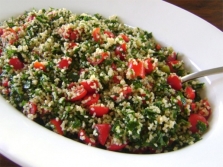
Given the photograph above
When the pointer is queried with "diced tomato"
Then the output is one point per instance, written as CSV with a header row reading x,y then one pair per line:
x,y
97,35
125,37
1,31
115,147
73,35
98,110
64,63
72,45
126,91
31,17
180,104
5,82
0,52
190,92
204,112
171,57
113,66
171,64
204,109
109,34
6,91
84,137
103,132
90,99
193,106
33,108
9,32
56,123
174,81
16,63
194,119
72,84
98,59
120,51
78,91
148,66
116,79
138,68
158,46
90,86
39,65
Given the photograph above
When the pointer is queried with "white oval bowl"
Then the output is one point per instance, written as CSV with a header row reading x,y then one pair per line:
x,y
29,144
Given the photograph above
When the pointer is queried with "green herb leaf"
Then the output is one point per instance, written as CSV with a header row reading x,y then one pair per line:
x,y
201,126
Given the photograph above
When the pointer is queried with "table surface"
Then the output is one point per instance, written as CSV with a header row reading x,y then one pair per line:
x,y
209,10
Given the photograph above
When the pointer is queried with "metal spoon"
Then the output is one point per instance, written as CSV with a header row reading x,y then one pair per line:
x,y
202,73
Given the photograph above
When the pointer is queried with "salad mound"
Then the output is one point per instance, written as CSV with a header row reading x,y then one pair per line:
x,y
99,82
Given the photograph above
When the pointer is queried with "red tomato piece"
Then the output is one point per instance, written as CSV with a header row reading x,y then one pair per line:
x,y
73,35
194,119
174,81
103,132
158,46
126,91
115,147
33,108
1,31
16,63
193,106
190,93
148,66
78,92
120,51
137,67
204,109
0,52
180,104
5,82
125,37
64,63
171,65
39,65
72,45
84,137
90,99
98,110
99,59
109,34
171,57
204,112
11,35
32,17
90,86
56,123
72,84
116,79
97,34
113,66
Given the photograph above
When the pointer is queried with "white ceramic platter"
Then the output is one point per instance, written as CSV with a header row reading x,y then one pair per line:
x,y
29,144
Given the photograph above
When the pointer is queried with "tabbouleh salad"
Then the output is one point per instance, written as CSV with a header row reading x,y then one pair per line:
x,y
100,82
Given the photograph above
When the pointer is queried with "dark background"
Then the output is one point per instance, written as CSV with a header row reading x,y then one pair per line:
x,y
209,10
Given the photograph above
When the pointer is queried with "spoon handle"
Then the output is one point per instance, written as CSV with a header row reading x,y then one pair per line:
x,y
202,73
